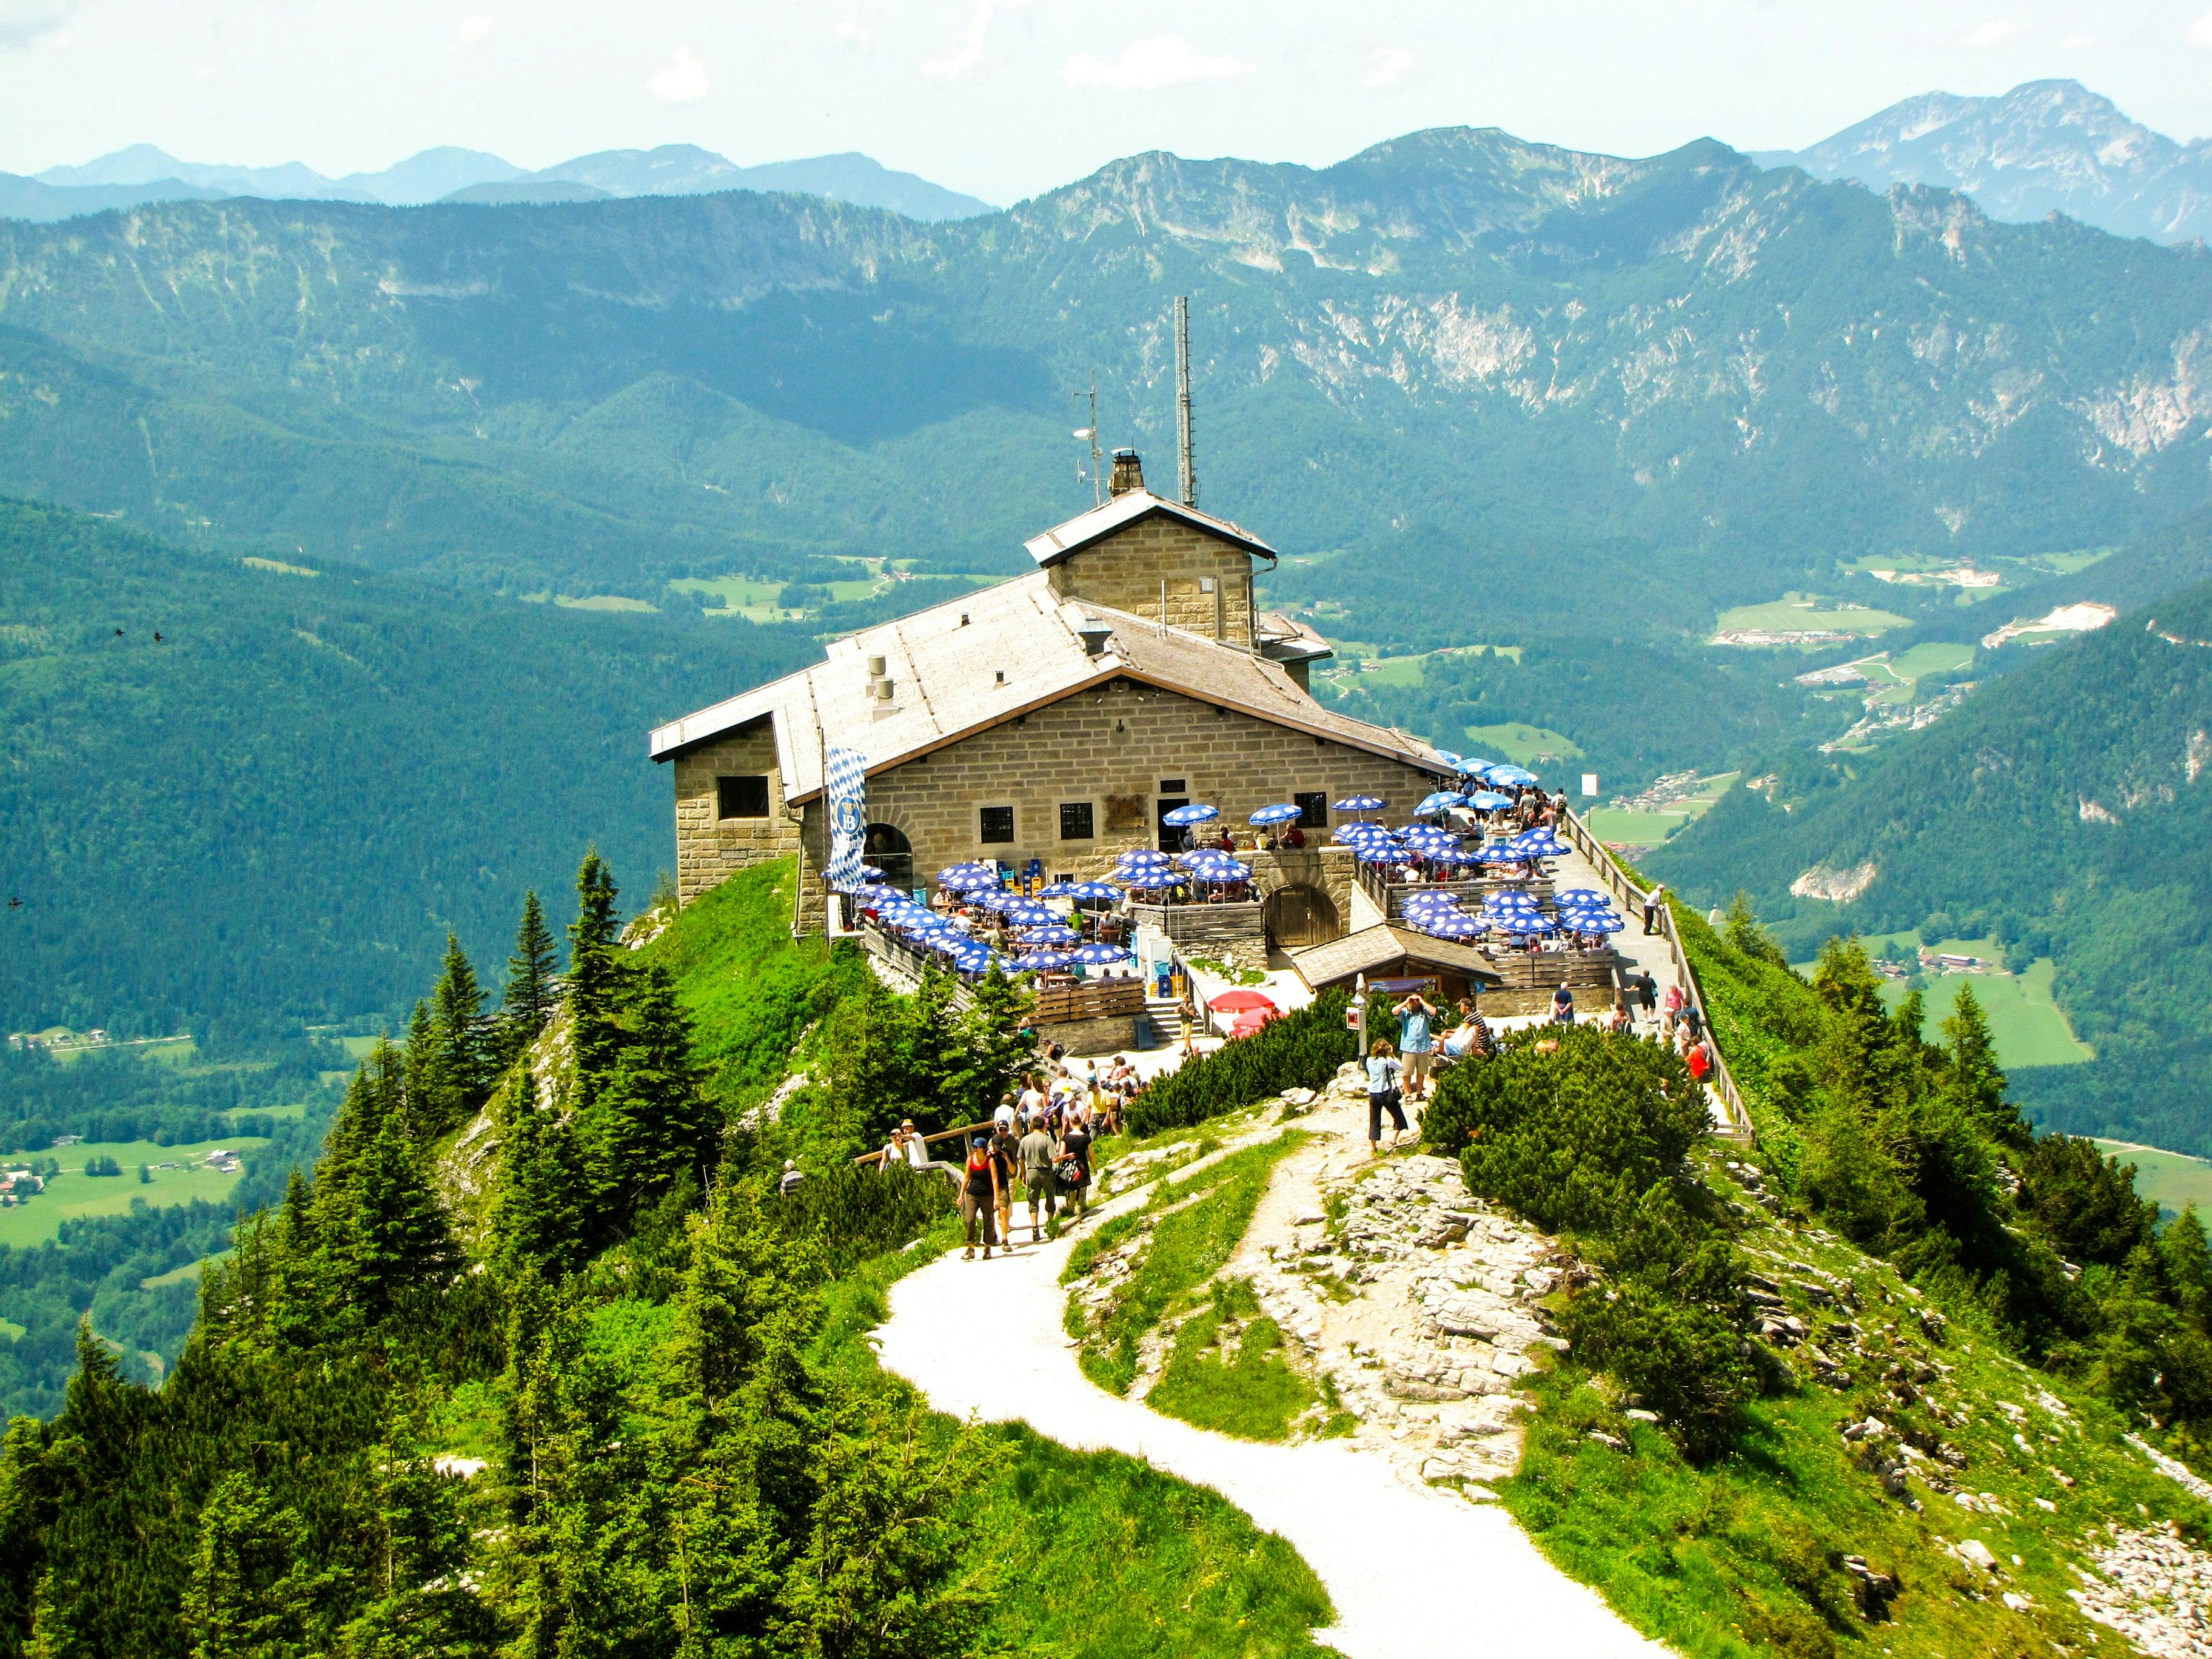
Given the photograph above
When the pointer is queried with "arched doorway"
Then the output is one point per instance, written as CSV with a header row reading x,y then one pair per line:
x,y
1298,916
887,847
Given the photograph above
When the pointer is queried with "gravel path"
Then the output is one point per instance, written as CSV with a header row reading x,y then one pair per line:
x,y
1415,1573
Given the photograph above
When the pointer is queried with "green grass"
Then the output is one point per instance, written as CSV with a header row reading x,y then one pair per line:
x,y
1228,1370
591,601
169,1051
11,1330
1744,1556
756,601
360,1047
73,1192
186,1274
1194,1226
2171,1180
1521,743
1614,823
1931,657
2079,558
1802,611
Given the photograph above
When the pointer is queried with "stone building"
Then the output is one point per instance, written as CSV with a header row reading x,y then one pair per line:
x,y
1054,720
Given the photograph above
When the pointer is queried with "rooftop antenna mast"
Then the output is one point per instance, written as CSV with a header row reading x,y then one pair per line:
x,y
1183,399
1098,455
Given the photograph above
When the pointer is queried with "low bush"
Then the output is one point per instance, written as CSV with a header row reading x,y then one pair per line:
x,y
1590,1134
1301,1050
855,1212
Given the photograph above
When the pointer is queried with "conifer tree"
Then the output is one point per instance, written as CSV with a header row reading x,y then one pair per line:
x,y
537,1218
465,1058
425,1069
651,1124
385,1234
422,1598
595,976
532,988
1972,1080
251,1596
2188,1267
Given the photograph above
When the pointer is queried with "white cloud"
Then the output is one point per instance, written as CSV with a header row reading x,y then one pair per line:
x,y
472,28
1149,65
1388,67
2077,43
681,80
959,60
1995,33
2200,32
857,27
22,22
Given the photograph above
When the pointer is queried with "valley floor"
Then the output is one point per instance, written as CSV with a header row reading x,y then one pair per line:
x,y
1413,1570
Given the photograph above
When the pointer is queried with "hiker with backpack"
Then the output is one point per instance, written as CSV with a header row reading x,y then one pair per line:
x,y
1071,1172
978,1197
1382,1072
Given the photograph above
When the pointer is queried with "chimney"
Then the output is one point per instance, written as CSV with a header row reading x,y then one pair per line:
x,y
881,688
1094,632
1128,473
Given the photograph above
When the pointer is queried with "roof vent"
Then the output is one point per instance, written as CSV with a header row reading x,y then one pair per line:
x,y
1002,676
1128,473
1094,632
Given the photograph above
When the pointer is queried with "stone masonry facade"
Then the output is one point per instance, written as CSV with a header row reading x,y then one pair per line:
x,y
1126,571
711,849
1112,747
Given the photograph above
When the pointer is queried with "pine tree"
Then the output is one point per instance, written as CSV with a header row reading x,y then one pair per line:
x,y
998,1041
2188,1265
595,976
537,1216
425,1071
421,1594
252,1595
651,1124
1972,1080
465,1057
387,1236
533,988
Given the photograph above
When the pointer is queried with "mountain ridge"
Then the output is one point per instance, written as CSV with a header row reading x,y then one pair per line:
x,y
2043,147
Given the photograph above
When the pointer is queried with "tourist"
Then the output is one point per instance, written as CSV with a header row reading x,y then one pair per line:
x,y
1699,1060
1036,1159
1033,1101
1294,838
791,1177
1417,1041
1007,1150
978,1197
1563,1006
1003,1118
1652,903
1071,1171
895,1154
1692,1020
1647,992
1382,1072
1673,1010
1621,1025
1470,1039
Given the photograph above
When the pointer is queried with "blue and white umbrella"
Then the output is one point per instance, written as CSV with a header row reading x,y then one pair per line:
x,y
1085,892
1488,800
1029,914
1458,763
1582,921
1048,935
1196,812
1450,926
1099,956
1432,805
1380,852
1034,960
1582,895
1282,813
954,874
1357,804
1525,925
1518,775
1057,889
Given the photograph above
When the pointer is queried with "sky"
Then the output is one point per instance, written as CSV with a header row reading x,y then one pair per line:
x,y
1005,99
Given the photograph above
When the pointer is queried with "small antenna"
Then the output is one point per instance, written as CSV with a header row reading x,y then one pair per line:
x,y
1098,455
1182,400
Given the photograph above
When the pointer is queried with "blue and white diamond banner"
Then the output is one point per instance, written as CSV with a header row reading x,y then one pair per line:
x,y
846,788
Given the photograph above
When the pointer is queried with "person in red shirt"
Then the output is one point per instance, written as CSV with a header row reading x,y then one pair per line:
x,y
1700,1062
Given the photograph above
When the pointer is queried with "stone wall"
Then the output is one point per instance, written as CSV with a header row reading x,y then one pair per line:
x,y
710,848
1094,1037
1112,747
1126,571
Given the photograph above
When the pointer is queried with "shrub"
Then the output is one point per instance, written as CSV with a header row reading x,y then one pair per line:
x,y
855,1212
1301,1050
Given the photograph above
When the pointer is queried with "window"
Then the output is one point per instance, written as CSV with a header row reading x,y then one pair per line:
x,y
1076,821
741,798
1313,809
1174,787
998,824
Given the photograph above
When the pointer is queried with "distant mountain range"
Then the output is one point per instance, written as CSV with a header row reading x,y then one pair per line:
x,y
2045,147
142,173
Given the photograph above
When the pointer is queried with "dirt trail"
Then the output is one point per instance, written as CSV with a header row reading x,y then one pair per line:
x,y
1414,1570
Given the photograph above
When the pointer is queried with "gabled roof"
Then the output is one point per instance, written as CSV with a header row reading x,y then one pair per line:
x,y
1132,506
971,663
1378,946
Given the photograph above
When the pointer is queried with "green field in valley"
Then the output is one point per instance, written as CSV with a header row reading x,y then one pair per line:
x,y
73,1192
591,601
1521,743
2170,1179
1802,612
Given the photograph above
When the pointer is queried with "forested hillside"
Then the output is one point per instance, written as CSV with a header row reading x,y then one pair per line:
x,y
247,795
2065,810
1453,341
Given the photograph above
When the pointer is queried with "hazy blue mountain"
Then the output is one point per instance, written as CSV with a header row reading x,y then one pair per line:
x,y
142,172
687,170
43,204
528,190
2045,147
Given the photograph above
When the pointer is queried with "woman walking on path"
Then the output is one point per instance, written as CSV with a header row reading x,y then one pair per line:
x,y
1037,1150
979,1198
1005,1157
1074,1169
1383,1070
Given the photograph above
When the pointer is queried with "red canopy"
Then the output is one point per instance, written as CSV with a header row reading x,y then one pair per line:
x,y
1232,1002
1253,1019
